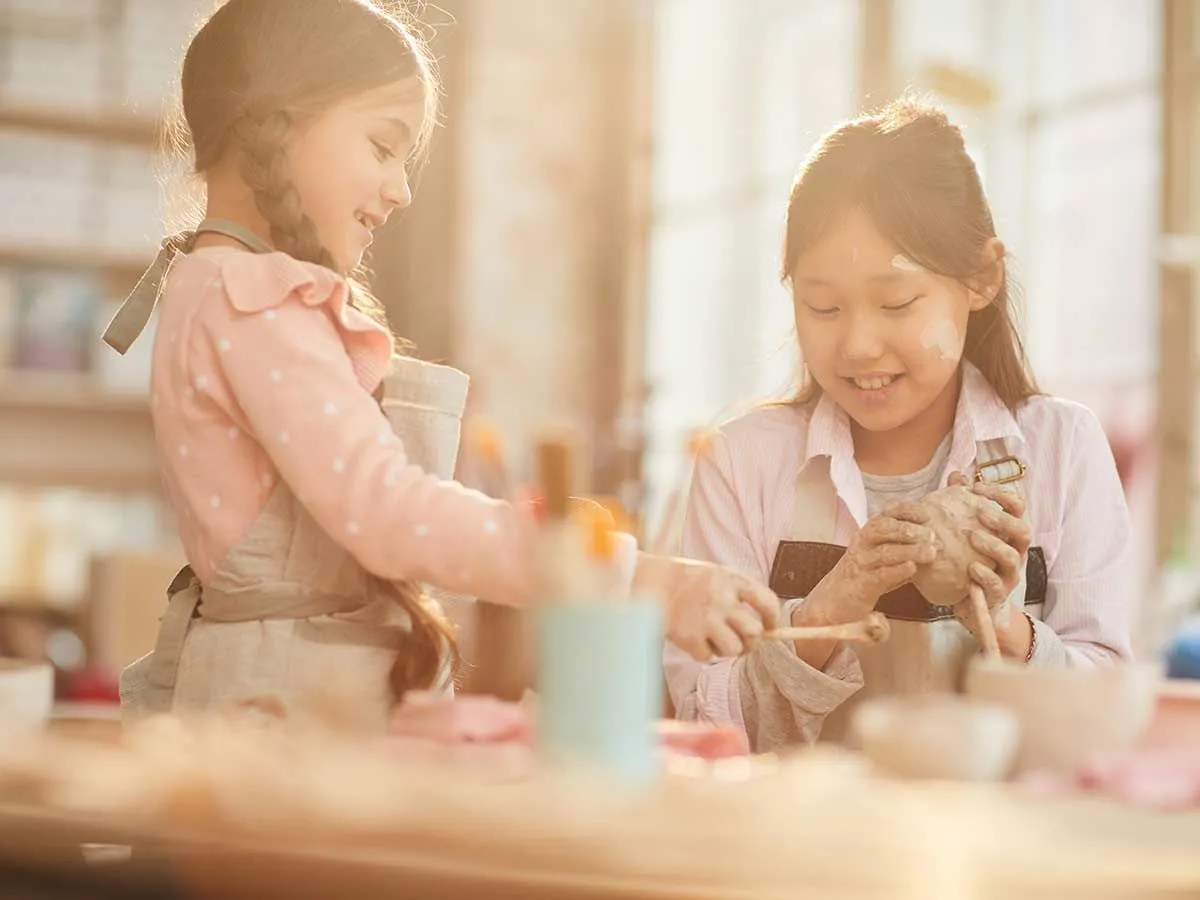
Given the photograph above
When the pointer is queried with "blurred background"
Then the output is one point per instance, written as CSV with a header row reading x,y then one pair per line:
x,y
595,239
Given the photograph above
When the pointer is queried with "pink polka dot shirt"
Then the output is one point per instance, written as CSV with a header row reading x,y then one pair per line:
x,y
262,372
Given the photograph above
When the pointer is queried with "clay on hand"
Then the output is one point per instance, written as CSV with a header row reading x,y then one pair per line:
x,y
953,513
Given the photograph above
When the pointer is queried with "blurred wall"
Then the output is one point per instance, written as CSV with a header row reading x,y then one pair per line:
x,y
514,261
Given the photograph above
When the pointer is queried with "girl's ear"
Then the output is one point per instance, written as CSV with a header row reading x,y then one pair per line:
x,y
985,286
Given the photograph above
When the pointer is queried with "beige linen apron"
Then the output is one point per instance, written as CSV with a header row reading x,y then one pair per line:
x,y
288,610
929,648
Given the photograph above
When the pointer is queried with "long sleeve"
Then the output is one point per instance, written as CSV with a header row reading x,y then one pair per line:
x,y
1087,619
288,375
770,694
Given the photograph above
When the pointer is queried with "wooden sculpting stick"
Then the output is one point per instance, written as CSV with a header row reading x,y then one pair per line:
x,y
874,629
987,628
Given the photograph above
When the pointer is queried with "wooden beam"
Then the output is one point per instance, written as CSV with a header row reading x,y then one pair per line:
x,y
1177,373
877,74
626,406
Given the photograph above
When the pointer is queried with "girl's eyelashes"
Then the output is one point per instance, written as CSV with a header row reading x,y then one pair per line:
x,y
382,151
901,306
831,310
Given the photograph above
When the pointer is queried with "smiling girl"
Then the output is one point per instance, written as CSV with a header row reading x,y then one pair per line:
x,y
915,380
308,528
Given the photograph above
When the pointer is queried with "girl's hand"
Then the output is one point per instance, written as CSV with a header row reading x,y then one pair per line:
x,y
1005,540
882,556
710,610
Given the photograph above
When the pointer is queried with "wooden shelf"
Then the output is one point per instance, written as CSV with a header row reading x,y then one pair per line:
x,y
124,266
116,126
67,431
40,608
67,392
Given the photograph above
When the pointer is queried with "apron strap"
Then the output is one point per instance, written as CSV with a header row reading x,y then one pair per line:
x,y
183,601
131,319
995,465
815,504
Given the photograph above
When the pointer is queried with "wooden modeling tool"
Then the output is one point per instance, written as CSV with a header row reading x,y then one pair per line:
x,y
987,628
874,629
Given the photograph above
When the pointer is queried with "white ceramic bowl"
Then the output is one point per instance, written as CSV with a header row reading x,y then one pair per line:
x,y
940,736
26,696
1069,715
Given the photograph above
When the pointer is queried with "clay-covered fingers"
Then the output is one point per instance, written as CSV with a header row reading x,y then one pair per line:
x,y
995,590
890,551
1012,530
1008,500
1006,558
965,613
886,579
888,556
905,511
885,529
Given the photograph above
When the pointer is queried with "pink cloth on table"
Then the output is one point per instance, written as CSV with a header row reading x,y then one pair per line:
x,y
1155,779
263,371
473,720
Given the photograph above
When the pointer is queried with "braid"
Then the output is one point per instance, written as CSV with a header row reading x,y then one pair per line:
x,y
434,638
264,170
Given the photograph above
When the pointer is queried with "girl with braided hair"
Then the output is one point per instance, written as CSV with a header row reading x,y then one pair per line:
x,y
308,519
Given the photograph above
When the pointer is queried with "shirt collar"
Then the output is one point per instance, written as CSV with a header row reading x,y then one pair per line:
x,y
980,415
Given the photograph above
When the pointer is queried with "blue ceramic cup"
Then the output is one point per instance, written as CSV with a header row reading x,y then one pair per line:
x,y
600,685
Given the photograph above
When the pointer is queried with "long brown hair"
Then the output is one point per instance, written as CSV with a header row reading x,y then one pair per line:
x,y
908,169
251,71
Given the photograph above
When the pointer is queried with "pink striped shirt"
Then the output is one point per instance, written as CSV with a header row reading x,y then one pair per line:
x,y
741,504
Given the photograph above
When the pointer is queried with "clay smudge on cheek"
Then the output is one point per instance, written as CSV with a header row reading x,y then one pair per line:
x,y
943,337
904,264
